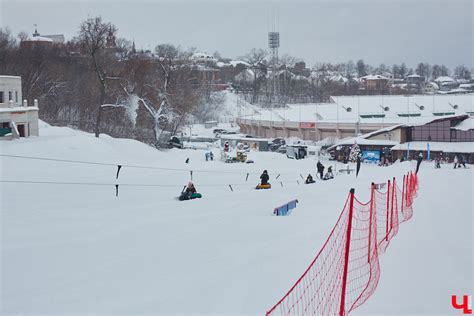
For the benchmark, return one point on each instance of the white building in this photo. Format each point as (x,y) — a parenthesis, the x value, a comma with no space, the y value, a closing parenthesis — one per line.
(349,116)
(17,119)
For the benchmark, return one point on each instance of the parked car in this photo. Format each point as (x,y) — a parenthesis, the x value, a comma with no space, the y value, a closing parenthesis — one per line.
(296,152)
(175,142)
(219,131)
(275,144)
(281,149)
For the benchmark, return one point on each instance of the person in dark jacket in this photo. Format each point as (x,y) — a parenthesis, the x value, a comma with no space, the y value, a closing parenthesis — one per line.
(462,161)
(309,179)
(329,175)
(359,159)
(418,162)
(320,167)
(264,177)
(438,162)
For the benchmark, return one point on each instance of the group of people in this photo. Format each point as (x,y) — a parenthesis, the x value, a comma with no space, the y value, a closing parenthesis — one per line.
(329,175)
(209,156)
(458,161)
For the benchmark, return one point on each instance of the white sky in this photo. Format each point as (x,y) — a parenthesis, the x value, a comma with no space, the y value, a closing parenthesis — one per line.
(392,31)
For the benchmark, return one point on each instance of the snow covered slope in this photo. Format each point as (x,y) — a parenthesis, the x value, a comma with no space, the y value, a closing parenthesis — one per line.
(70,248)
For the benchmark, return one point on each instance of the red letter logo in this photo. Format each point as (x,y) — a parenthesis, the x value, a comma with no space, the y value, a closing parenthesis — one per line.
(465,306)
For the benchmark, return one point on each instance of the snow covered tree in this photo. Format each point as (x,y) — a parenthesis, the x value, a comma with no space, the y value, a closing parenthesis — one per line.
(403,70)
(462,72)
(256,60)
(355,151)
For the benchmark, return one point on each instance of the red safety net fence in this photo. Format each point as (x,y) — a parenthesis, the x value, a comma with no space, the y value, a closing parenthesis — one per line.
(346,270)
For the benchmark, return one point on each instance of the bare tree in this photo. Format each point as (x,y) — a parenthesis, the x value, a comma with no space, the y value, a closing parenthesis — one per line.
(462,72)
(256,60)
(94,34)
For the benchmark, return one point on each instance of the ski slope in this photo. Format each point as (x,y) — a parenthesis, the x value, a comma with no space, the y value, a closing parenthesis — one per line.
(77,248)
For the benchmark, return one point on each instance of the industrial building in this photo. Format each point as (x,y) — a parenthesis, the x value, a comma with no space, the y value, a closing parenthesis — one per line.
(349,116)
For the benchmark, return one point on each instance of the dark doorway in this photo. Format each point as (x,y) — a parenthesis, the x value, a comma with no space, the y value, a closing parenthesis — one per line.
(21,130)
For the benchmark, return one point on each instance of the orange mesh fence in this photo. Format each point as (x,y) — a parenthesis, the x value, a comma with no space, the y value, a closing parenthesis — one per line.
(346,271)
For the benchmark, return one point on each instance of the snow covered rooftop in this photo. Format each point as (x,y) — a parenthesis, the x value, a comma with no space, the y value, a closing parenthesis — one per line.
(18,109)
(444,79)
(39,39)
(466,125)
(374,77)
(447,147)
(237,62)
(372,109)
(362,141)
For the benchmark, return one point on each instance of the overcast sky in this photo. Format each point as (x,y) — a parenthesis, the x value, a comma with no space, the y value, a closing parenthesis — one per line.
(434,31)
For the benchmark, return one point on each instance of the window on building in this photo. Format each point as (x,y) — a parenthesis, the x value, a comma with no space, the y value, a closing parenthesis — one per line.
(10,96)
(1,97)
(16,96)
(453,134)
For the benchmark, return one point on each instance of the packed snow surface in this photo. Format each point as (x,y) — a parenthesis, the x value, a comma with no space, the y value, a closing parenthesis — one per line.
(69,248)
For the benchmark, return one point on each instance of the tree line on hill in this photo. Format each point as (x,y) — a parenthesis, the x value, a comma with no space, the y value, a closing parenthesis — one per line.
(103,84)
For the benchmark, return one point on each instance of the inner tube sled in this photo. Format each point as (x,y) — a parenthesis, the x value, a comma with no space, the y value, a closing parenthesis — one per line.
(184,197)
(263,186)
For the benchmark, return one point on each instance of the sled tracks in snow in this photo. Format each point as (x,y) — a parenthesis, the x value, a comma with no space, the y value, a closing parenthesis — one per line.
(345,272)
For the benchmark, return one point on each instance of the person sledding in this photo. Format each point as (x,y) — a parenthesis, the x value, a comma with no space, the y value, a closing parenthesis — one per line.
(329,175)
(320,167)
(189,193)
(309,179)
(264,181)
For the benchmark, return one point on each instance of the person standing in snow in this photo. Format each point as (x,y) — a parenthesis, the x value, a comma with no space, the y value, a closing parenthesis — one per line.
(320,167)
(226,146)
(437,162)
(418,162)
(462,161)
(456,160)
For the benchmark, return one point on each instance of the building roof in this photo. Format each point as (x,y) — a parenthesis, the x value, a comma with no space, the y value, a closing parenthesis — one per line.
(363,141)
(447,147)
(237,62)
(444,79)
(19,109)
(433,84)
(465,125)
(374,77)
(38,39)
(454,91)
